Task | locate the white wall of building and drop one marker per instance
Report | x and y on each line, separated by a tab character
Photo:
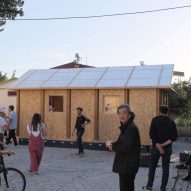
5	99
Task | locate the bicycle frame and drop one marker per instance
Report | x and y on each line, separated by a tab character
4	171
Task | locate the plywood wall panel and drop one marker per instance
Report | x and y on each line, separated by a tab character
30	103
144	104
56	122
108	122
86	100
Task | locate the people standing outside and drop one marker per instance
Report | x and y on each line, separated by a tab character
36	131
127	149
81	122
163	133
12	125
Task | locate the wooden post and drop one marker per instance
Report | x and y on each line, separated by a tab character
158	94
96	116
18	112
42	109
68	114
126	96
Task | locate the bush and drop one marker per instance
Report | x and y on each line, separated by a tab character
184	122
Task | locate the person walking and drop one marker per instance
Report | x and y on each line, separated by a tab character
81	122
127	149
163	133
36	131
12	126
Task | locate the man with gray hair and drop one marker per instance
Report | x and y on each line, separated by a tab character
127	149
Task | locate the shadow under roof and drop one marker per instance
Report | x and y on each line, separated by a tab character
147	76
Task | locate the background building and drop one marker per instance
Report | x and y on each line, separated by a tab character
7	96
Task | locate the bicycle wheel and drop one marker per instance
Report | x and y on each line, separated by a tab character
15	179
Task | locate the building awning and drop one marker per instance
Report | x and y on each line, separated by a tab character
127	77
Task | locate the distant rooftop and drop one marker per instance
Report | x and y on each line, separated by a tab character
6	84
147	76
178	73
73	64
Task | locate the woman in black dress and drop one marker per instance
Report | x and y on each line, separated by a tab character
126	148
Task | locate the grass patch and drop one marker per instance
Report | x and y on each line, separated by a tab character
183	122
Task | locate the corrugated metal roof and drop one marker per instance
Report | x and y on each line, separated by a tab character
147	76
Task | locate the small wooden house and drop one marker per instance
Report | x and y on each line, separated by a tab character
56	93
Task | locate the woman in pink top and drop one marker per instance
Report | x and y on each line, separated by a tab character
36	131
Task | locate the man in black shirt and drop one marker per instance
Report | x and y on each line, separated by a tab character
163	133
81	121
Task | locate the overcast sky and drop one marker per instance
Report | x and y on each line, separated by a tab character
155	38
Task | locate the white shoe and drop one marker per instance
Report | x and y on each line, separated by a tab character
145	188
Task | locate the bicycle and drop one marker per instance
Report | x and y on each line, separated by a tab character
11	179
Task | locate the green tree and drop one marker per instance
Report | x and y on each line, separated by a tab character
10	9
3	77
180	100
13	76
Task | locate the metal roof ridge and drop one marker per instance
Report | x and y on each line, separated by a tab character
130	75
80	70
160	75
49	78
101	77
33	71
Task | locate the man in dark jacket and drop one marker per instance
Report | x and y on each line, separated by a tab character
163	133
127	149
81	122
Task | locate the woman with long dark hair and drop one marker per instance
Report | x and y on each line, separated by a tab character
36	131
127	149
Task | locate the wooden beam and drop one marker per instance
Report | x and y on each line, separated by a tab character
18	112
158	100
42	109
126	96
96	116
68	114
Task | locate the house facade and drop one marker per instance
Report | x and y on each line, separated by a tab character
56	93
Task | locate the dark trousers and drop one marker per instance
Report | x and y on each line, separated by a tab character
79	140
126	182
188	162
12	135
189	165
155	156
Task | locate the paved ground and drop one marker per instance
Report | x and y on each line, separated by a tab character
62	170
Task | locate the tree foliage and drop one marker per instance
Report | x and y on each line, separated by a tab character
3	77
180	100
10	9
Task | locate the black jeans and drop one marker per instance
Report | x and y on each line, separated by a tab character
12	135
189	165
155	156
79	140
126	182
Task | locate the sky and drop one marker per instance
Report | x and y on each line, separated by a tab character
155	38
